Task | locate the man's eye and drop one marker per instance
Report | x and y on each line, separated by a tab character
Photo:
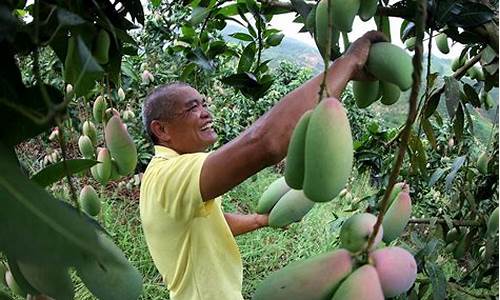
192	108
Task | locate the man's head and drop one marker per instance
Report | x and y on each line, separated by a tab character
175	115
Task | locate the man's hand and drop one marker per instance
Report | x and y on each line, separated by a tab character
240	224
358	53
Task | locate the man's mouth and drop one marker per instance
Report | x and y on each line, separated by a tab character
207	126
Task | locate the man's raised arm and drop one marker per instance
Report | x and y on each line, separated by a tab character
266	141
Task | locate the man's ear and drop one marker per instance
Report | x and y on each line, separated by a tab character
161	132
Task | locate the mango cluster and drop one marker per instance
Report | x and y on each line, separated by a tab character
392	67
320	152
341	274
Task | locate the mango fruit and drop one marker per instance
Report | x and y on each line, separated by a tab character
410	43
361	284
452	235
487	100
396	189
475	73
328	151
321	30
367	9
343	13
390	93
365	92
482	163
294	168
86	148
356	231
98	109
390	63
110	112
102	171
292	207
101	48
12	284
120	145
271	195
396	269
493	223
89	130
462	246
397	216
89	201
314	278
442	43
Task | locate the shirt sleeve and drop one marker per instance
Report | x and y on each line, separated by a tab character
178	181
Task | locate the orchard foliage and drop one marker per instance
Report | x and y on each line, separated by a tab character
58	56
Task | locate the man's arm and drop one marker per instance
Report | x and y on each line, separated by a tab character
240	224
266	141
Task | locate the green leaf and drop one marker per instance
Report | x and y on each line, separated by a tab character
229	10
242	36
419	152
156	3
471	94
247	58
51	280
275	39
432	105
188	69
216	48
198	57
452	93
457	164
188	31
68	18
438	173
429	132
80	67
438	280
241	80
458	123
56	172
198	15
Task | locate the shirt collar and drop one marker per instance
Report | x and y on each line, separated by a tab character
162	151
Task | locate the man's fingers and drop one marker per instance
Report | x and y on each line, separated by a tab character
375	36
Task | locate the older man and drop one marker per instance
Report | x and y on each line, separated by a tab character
189	237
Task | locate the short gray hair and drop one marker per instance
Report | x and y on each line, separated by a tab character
160	105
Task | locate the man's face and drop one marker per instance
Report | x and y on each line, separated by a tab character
191	127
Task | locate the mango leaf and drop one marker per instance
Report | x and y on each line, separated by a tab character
216	48
50	280
56	172
242	36
57	233
429	132
470	15
68	18
419	152
241	80
438	280
198	15
198	57
247	58
432	105
80	67
436	176
275	39
228	10
452	93
457	164
458	123
471	94
301	7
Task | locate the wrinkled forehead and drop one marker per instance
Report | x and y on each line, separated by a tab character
185	95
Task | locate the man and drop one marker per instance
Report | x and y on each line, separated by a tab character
189	237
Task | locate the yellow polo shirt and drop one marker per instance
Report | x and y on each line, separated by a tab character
189	240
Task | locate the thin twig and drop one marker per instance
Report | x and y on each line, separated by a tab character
464	223
326	58
421	16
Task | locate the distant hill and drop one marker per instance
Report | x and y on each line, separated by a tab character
308	56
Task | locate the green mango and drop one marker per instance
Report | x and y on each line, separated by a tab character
313	279
102	171
292	207
89	201
367	9
452	235
120	145
101	48
397	216
462	246
493	223
271	195
321	30
487	100
294	168
86	148
356	231
343	13
410	43
390	93
328	151
365	92
98	109
89	130
482	163
442	43
361	284
390	63
457	63
396	189
396	270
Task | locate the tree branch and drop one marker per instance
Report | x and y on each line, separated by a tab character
465	223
